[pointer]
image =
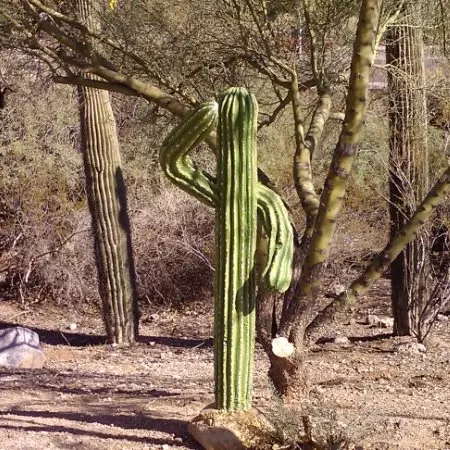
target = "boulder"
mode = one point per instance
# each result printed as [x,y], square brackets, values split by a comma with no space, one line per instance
[386,322]
[20,348]
[372,319]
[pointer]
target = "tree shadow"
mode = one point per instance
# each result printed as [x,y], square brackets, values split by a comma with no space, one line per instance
[357,339]
[124,411]
[139,422]
[56,337]
[82,383]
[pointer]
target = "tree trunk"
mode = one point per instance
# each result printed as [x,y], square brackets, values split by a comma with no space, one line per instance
[286,372]
[106,194]
[435,197]
[408,164]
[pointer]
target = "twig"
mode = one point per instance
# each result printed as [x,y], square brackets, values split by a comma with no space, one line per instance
[17,315]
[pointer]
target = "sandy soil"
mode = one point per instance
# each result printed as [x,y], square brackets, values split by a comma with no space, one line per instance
[91,396]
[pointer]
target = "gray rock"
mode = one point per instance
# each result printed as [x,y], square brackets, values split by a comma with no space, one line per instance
[442,318]
[342,340]
[20,348]
[381,322]
[372,319]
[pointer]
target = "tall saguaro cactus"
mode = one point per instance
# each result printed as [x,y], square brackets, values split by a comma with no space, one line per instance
[408,162]
[107,203]
[236,238]
[239,201]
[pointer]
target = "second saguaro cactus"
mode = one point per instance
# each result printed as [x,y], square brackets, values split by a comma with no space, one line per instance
[239,201]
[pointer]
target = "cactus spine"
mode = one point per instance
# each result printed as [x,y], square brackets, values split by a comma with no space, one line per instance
[239,199]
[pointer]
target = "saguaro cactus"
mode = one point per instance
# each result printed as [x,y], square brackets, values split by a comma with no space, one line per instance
[106,195]
[240,200]
[408,162]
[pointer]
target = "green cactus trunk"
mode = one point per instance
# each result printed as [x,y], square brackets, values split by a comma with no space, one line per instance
[237,196]
[235,243]
[106,195]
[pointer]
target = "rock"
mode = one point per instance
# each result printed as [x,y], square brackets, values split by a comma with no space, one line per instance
[442,318]
[413,348]
[382,322]
[386,322]
[342,340]
[165,355]
[72,326]
[372,319]
[20,348]
[240,430]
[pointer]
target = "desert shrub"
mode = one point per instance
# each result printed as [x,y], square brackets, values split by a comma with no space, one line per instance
[316,425]
[42,205]
[45,242]
[174,248]
[46,249]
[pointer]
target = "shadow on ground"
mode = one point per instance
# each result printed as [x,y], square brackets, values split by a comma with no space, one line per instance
[56,337]
[174,427]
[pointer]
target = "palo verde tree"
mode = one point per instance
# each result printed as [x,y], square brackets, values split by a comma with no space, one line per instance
[106,195]
[251,41]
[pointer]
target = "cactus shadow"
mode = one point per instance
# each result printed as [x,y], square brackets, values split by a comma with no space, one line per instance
[124,221]
[57,337]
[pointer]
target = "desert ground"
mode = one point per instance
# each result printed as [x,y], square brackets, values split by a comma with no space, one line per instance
[375,392]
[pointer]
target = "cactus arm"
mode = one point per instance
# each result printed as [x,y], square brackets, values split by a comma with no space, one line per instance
[174,156]
[237,197]
[276,272]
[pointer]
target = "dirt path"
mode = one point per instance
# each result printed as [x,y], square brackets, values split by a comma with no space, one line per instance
[91,396]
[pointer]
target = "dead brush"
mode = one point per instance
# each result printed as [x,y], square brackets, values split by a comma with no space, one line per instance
[173,240]
[313,425]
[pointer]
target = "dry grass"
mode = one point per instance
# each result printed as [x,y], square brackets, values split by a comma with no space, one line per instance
[174,250]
